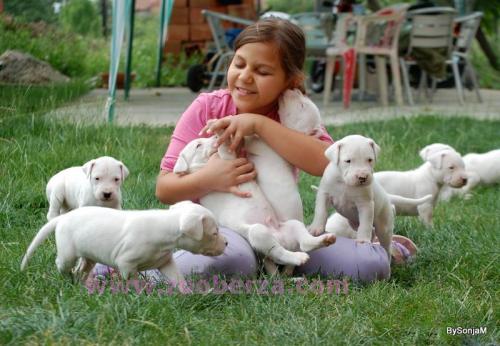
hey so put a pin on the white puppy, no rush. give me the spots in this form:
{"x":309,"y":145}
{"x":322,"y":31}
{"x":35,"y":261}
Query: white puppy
{"x":298,"y":112}
{"x":253,"y":217}
{"x":276,"y":177}
{"x":131,"y":240}
{"x":96,"y":183}
{"x":481,"y":169}
{"x":348,"y":184}
{"x":443,"y":167}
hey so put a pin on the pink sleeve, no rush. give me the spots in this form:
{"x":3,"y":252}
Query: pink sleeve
{"x":187,"y":129}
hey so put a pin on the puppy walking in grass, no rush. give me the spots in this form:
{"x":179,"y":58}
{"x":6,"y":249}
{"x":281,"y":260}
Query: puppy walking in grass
{"x":96,"y":183}
{"x":132,"y":240}
{"x":442,"y":168}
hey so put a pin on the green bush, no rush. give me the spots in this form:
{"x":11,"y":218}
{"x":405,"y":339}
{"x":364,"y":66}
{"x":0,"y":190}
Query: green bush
{"x":81,"y":17}
{"x":71,"y":54}
{"x":31,"y":10}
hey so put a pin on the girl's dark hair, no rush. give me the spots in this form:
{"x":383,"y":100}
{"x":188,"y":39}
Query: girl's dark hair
{"x":288,"y":38}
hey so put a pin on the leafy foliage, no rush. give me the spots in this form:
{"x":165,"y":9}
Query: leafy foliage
{"x":31,"y":10}
{"x":81,"y":17}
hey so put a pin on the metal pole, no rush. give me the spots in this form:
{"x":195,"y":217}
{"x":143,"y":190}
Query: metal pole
{"x":130,"y":40}
{"x":161,"y":42}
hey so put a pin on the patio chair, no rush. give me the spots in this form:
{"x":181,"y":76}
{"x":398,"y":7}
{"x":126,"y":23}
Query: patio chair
{"x":467,"y":26}
{"x":224,"y":52}
{"x":317,"y":27}
{"x":379,"y":36}
{"x":342,"y":46}
{"x":432,"y":28}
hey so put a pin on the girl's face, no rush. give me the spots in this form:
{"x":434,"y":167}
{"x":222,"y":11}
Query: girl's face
{"x":255,"y":78}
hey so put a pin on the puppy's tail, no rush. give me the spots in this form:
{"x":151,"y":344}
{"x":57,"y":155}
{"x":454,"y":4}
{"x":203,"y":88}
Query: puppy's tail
{"x":42,"y":234}
{"x":403,"y":201}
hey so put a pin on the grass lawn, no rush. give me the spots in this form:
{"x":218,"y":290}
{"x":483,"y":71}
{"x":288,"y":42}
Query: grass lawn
{"x":453,"y":283}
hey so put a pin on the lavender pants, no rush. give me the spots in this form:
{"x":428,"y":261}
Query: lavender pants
{"x":346,"y":258}
{"x":360,"y":262}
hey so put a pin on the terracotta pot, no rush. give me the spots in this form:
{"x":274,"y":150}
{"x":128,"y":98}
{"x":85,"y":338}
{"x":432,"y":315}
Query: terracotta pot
{"x":120,"y":79}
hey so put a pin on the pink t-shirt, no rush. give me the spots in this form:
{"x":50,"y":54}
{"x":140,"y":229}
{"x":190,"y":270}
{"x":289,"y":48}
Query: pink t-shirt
{"x":215,"y":105}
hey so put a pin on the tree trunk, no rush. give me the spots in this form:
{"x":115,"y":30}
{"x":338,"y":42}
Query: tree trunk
{"x":104,"y":16}
{"x":487,"y":50}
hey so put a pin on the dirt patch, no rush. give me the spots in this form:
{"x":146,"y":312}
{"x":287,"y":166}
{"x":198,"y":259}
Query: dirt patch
{"x":21,"y":68}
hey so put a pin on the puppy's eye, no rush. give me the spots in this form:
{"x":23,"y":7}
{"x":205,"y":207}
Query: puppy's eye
{"x":370,"y":160}
{"x":451,"y":167}
{"x":117,"y":179}
{"x":96,"y":178}
{"x":198,"y":145}
{"x":347,"y":161}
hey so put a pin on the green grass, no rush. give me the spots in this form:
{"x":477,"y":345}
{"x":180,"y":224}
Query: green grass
{"x":453,"y":283}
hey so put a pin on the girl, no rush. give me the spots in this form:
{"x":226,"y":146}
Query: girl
{"x":269,"y":57}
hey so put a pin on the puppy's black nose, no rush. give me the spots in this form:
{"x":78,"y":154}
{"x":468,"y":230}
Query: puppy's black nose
{"x":226,"y":242}
{"x":362,"y":179}
{"x":464,"y":180}
{"x":107,"y":195}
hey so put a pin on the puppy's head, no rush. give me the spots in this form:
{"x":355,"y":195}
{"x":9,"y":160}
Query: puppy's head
{"x":298,"y":112}
{"x":355,"y":157}
{"x":448,"y":168}
{"x":195,"y":155}
{"x":432,"y":149}
{"x":106,"y":176}
{"x":199,"y":232}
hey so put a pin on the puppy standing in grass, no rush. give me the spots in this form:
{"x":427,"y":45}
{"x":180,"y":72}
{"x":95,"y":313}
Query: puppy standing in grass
{"x":96,"y":183}
{"x":443,"y":168}
{"x":349,"y":186}
{"x":131,"y":240}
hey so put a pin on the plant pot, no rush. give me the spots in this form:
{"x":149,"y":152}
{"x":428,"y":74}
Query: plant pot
{"x":120,"y":79}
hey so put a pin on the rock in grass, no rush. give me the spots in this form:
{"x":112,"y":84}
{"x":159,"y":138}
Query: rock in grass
{"x":21,"y":68}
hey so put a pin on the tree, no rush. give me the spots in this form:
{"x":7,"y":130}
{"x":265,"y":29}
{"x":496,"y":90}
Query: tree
{"x":31,"y":10}
{"x":80,"y":16}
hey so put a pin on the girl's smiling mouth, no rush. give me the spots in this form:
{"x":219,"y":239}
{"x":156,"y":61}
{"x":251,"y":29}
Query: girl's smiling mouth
{"x":244,"y":92}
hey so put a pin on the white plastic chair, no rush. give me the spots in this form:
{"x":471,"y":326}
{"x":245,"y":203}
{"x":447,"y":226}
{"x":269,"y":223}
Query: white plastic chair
{"x":431,"y":28}
{"x":389,"y":21}
{"x":468,"y":26}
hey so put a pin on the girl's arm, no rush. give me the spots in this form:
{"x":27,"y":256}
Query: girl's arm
{"x":302,"y":151}
{"x":216,"y":175}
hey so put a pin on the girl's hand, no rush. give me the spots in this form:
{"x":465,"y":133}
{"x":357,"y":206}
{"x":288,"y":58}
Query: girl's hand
{"x":232,"y":129}
{"x":225,"y":175}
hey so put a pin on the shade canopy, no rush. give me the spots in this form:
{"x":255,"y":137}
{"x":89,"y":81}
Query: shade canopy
{"x":123,"y":30}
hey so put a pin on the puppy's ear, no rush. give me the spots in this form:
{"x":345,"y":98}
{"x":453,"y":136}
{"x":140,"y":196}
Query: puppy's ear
{"x":333,"y":152}
{"x":87,"y":168}
{"x":192,"y":226}
{"x":181,"y":166}
{"x":124,"y":171}
{"x":375,"y":148}
{"x":436,"y":160}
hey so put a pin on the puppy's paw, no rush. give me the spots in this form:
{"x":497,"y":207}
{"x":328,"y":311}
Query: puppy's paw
{"x":315,"y":230}
{"x":300,"y":258}
{"x":328,"y":239}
